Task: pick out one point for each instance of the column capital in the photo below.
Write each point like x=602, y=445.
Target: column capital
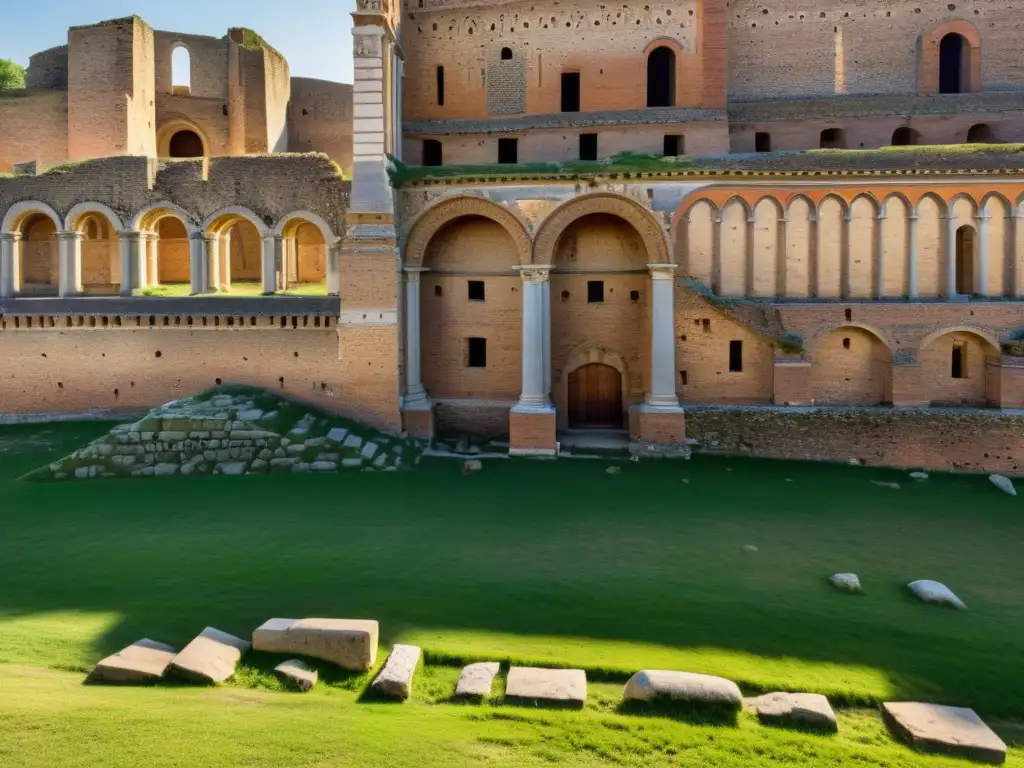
x=534, y=273
x=982, y=216
x=913, y=216
x=10, y=237
x=197, y=236
x=134, y=234
x=412, y=274
x=211, y=237
x=70, y=235
x=662, y=271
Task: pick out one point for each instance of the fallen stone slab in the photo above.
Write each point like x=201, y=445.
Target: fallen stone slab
x=395, y=678
x=296, y=674
x=848, y=582
x=558, y=687
x=211, y=657
x=144, y=661
x=936, y=593
x=808, y=710
x=1003, y=483
x=654, y=684
x=951, y=730
x=477, y=680
x=349, y=643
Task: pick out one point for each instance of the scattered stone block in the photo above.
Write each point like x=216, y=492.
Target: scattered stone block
x=395, y=679
x=381, y=461
x=370, y=450
x=559, y=687
x=472, y=466
x=323, y=466
x=232, y=468
x=654, y=684
x=936, y=593
x=951, y=730
x=1003, y=483
x=144, y=661
x=477, y=680
x=349, y=643
x=807, y=710
x=297, y=674
x=353, y=441
x=848, y=582
x=165, y=469
x=884, y=484
x=614, y=470
x=337, y=435
x=211, y=657
x=919, y=475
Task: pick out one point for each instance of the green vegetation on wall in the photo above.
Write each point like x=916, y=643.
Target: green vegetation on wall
x=12, y=76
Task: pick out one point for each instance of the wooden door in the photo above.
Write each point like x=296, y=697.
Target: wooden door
x=595, y=397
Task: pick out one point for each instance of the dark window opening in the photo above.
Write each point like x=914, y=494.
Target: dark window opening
x=476, y=290
x=440, y=86
x=965, y=261
x=588, y=146
x=508, y=151
x=437, y=290
x=848, y=313
x=905, y=137
x=634, y=295
x=477, y=353
x=833, y=138
x=735, y=356
x=565, y=295
x=980, y=134
x=595, y=291
x=661, y=77
x=570, y=91
x=506, y=54
x=186, y=144
x=846, y=343
x=706, y=325
x=952, y=63
x=673, y=146
x=762, y=142
x=431, y=152
x=682, y=378
x=958, y=367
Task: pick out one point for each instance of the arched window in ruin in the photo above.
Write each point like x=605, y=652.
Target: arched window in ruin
x=833, y=138
x=181, y=71
x=186, y=143
x=980, y=134
x=965, y=261
x=661, y=77
x=905, y=136
x=506, y=54
x=953, y=57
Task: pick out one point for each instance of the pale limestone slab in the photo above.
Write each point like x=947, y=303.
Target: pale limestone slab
x=395, y=678
x=565, y=687
x=144, y=661
x=211, y=657
x=296, y=674
x=349, y=643
x=477, y=680
x=810, y=710
x=653, y=684
x=937, y=728
x=936, y=593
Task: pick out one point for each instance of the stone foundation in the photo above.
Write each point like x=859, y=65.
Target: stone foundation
x=532, y=434
x=657, y=427
x=420, y=422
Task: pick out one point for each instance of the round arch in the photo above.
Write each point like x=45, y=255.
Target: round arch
x=587, y=354
x=942, y=206
x=286, y=223
x=76, y=216
x=173, y=126
x=954, y=366
x=628, y=210
x=962, y=196
x=18, y=212
x=999, y=199
x=428, y=223
x=928, y=80
x=221, y=221
x=982, y=334
x=896, y=196
x=851, y=364
x=150, y=216
x=843, y=205
x=878, y=334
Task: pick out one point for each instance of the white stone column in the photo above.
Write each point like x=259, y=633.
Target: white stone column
x=133, y=262
x=152, y=258
x=547, y=337
x=533, y=399
x=983, y=248
x=273, y=246
x=879, y=254
x=1017, y=256
x=950, y=257
x=199, y=277
x=416, y=397
x=212, y=264
x=845, y=256
x=69, y=279
x=333, y=269
x=291, y=262
x=912, y=256
x=663, y=337
x=225, y=261
x=10, y=264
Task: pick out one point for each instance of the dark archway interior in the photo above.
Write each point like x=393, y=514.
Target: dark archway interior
x=951, y=63
x=661, y=78
x=904, y=137
x=980, y=134
x=186, y=144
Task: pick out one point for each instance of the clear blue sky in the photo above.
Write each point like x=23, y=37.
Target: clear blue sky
x=314, y=35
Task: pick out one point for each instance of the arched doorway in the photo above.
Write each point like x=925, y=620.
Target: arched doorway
x=965, y=261
x=595, y=397
x=186, y=143
x=39, y=263
x=904, y=136
x=172, y=262
x=952, y=58
x=661, y=77
x=980, y=134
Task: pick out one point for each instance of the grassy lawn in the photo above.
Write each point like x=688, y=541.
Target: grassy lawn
x=542, y=562
x=238, y=288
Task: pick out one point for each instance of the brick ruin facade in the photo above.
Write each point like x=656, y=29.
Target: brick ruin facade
x=836, y=304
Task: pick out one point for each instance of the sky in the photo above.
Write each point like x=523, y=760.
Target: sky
x=315, y=36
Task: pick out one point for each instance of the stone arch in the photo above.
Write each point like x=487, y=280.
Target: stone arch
x=766, y=272
x=929, y=45
x=955, y=366
x=19, y=212
x=884, y=206
x=100, y=248
x=851, y=365
x=981, y=333
x=662, y=78
x=628, y=210
x=832, y=215
x=177, y=125
x=894, y=258
x=695, y=234
x=149, y=217
x=943, y=208
x=286, y=222
x=798, y=247
x=225, y=218
x=76, y=216
x=962, y=196
x=582, y=355
x=428, y=223
x=308, y=240
x=863, y=260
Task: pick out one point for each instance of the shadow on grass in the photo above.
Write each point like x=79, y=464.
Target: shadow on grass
x=527, y=703
x=682, y=711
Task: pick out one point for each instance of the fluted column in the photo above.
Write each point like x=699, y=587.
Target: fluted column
x=663, y=337
x=950, y=257
x=416, y=396
x=912, y=256
x=10, y=264
x=69, y=280
x=273, y=247
x=983, y=248
x=199, y=276
x=533, y=397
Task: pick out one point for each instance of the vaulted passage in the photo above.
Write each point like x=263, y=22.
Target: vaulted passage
x=186, y=144
x=595, y=397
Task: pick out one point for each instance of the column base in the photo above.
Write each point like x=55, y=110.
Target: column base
x=659, y=425
x=532, y=431
x=418, y=417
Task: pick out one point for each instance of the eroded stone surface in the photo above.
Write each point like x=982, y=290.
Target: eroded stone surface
x=144, y=661
x=211, y=657
x=937, y=728
x=653, y=684
x=809, y=710
x=296, y=674
x=349, y=643
x=395, y=678
x=936, y=593
x=477, y=679
x=563, y=687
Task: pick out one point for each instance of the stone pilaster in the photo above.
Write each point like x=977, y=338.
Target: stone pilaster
x=10, y=264
x=533, y=421
x=133, y=262
x=69, y=282
x=273, y=253
x=417, y=406
x=199, y=277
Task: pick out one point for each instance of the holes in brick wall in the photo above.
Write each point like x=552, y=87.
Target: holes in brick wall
x=281, y=382
x=433, y=154
x=117, y=393
x=188, y=321
x=506, y=54
x=217, y=382
x=438, y=291
x=476, y=352
x=683, y=337
x=152, y=321
x=508, y=151
x=295, y=321
x=43, y=354
x=167, y=322
x=673, y=146
x=105, y=321
x=588, y=146
x=131, y=384
x=846, y=343
x=216, y=322
x=634, y=295
x=762, y=142
x=706, y=325
x=595, y=291
x=205, y=320
x=158, y=353
x=231, y=322
x=565, y=295
x=682, y=378
x=295, y=353
x=60, y=385
x=735, y=356
x=849, y=315
x=92, y=322
x=958, y=361
x=440, y=83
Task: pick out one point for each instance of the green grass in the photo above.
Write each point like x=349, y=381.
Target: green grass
x=238, y=289
x=540, y=562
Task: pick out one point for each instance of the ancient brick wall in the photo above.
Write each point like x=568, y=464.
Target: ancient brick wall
x=175, y=113
x=252, y=70
x=246, y=250
x=277, y=90
x=320, y=119
x=34, y=128
x=208, y=57
x=48, y=70
x=173, y=251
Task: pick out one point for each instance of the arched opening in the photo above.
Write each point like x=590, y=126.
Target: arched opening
x=905, y=136
x=980, y=134
x=661, y=77
x=39, y=256
x=172, y=256
x=832, y=138
x=965, y=250
x=181, y=71
x=953, y=64
x=305, y=258
x=954, y=367
x=595, y=397
x=186, y=143
x=101, y=254
x=506, y=54
x=851, y=366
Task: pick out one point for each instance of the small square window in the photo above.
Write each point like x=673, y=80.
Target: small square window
x=595, y=291
x=476, y=290
x=588, y=146
x=437, y=290
x=706, y=325
x=762, y=142
x=735, y=356
x=682, y=378
x=508, y=151
x=959, y=362
x=477, y=353
x=634, y=295
x=673, y=146
x=431, y=152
